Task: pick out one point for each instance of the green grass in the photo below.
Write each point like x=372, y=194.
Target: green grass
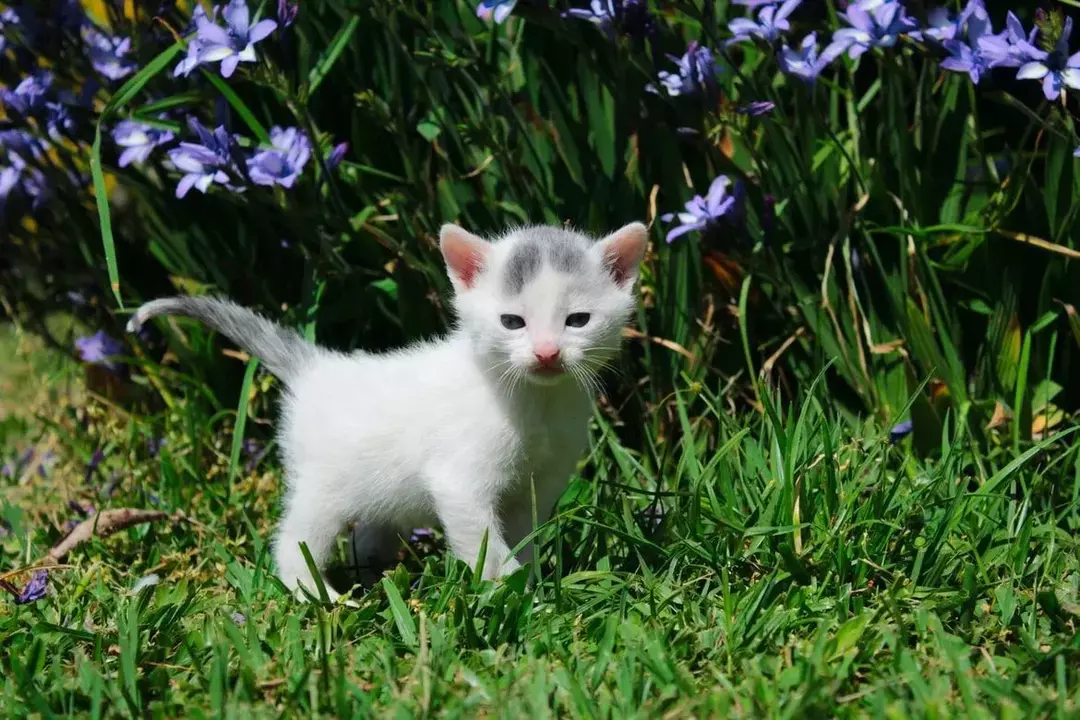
x=803, y=566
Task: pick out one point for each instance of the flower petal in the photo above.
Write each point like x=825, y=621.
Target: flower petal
x=185, y=184
x=213, y=53
x=1071, y=77
x=203, y=183
x=1052, y=86
x=261, y=30
x=1032, y=71
x=211, y=34
x=238, y=17
x=228, y=65
x=682, y=230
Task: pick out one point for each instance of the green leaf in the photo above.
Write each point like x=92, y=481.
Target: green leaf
x=849, y=634
x=331, y=54
x=400, y=611
x=241, y=108
x=97, y=177
x=428, y=129
x=241, y=419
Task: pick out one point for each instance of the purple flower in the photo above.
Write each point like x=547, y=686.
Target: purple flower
x=965, y=58
x=28, y=97
x=107, y=54
x=696, y=72
x=757, y=108
x=771, y=22
x=421, y=535
x=282, y=164
x=238, y=618
x=1057, y=69
x=880, y=28
x=92, y=466
x=58, y=121
x=203, y=164
x=1010, y=48
x=254, y=451
x=337, y=155
x=600, y=13
x=8, y=18
x=1076, y=152
x=941, y=26
x=498, y=10
x=191, y=61
x=138, y=140
x=154, y=445
x=99, y=348
x=804, y=63
x=46, y=463
x=900, y=431
x=13, y=469
x=35, y=589
x=230, y=45
x=286, y=13
x=18, y=179
x=702, y=212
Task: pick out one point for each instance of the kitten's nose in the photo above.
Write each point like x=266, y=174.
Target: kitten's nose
x=546, y=355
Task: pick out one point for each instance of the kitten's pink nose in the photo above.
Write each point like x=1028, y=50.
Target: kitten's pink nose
x=546, y=355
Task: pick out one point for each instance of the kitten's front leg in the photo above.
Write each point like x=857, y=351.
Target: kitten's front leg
x=542, y=490
x=465, y=504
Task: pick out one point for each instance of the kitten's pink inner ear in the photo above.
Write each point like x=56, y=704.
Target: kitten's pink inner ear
x=624, y=250
x=464, y=253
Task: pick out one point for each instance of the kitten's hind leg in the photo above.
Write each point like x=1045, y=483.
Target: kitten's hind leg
x=371, y=550
x=317, y=525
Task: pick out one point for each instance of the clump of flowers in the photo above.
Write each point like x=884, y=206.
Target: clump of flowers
x=283, y=163
x=138, y=140
x=872, y=25
x=108, y=55
x=695, y=72
x=1057, y=69
x=206, y=162
x=771, y=22
x=229, y=45
x=497, y=10
x=100, y=349
x=719, y=203
x=613, y=16
x=803, y=63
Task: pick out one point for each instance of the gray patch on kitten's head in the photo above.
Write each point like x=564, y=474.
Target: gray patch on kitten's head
x=562, y=250
x=523, y=265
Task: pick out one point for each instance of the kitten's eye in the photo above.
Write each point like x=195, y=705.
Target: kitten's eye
x=577, y=320
x=512, y=322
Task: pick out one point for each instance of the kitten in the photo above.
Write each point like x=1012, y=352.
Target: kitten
x=456, y=432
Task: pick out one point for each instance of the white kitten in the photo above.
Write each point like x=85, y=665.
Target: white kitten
x=455, y=432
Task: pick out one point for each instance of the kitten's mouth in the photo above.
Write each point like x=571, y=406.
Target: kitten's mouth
x=548, y=370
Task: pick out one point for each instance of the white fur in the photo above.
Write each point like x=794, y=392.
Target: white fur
x=453, y=433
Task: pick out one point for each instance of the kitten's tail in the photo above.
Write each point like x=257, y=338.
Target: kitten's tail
x=283, y=351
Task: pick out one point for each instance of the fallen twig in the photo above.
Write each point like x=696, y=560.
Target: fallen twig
x=103, y=524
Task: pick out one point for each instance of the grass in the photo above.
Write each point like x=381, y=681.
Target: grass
x=801, y=565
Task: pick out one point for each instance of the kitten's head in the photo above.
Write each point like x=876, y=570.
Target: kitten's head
x=544, y=302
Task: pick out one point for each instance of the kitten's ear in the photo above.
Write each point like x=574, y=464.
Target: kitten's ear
x=622, y=252
x=465, y=255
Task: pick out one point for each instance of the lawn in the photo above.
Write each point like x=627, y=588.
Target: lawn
x=836, y=473
x=794, y=564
